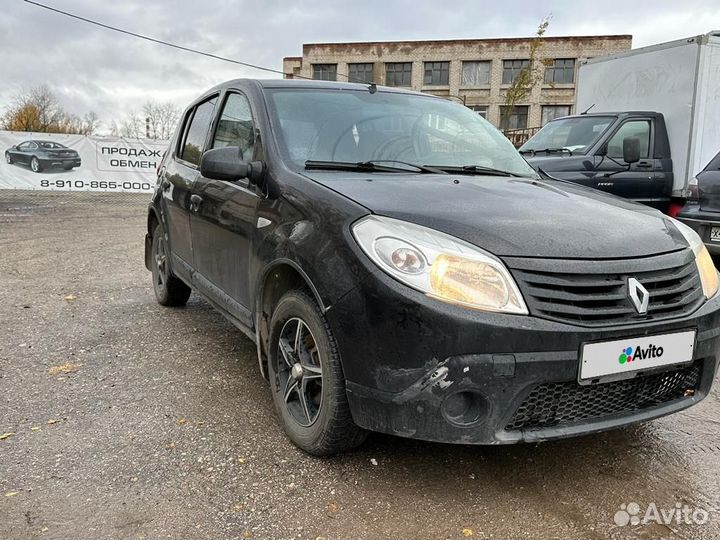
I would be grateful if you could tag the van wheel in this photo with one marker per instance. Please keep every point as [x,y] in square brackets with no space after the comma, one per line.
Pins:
[307,380]
[169,290]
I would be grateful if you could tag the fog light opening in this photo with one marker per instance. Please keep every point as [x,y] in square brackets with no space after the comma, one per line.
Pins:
[464,408]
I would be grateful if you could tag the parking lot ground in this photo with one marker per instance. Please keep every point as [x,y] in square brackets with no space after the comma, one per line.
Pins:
[121,418]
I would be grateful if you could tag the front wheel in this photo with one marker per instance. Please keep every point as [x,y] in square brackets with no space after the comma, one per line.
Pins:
[169,290]
[8,158]
[307,380]
[35,165]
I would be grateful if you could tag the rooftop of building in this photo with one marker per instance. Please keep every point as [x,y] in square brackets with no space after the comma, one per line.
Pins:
[445,42]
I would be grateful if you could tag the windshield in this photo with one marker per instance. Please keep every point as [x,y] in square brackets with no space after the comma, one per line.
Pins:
[356,126]
[576,134]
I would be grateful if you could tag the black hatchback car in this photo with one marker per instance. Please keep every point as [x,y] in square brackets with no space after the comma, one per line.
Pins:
[41,155]
[402,269]
[702,212]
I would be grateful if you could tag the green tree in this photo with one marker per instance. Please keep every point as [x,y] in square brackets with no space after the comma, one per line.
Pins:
[528,77]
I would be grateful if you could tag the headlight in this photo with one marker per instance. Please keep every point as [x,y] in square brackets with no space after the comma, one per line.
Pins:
[439,265]
[705,265]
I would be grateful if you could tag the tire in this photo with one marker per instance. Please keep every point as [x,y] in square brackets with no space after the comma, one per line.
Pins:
[322,426]
[169,290]
[68,167]
[35,165]
[8,158]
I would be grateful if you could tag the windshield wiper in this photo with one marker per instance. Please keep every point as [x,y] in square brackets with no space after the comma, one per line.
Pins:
[478,169]
[547,151]
[374,165]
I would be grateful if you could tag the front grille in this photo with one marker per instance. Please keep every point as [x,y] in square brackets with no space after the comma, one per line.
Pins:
[595,293]
[555,404]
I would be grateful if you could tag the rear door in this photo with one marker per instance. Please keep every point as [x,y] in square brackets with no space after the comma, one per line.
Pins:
[709,186]
[223,220]
[641,181]
[176,180]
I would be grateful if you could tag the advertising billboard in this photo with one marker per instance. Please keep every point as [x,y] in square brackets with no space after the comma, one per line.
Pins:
[52,161]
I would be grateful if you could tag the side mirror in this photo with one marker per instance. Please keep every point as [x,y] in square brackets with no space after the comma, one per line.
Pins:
[227,164]
[631,150]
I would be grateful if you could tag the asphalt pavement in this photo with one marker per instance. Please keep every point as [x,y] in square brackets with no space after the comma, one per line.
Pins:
[120,418]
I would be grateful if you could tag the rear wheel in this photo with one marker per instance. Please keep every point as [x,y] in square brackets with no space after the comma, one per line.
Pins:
[35,165]
[307,380]
[169,290]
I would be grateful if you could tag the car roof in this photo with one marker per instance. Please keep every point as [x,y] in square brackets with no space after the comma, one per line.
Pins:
[306,83]
[611,113]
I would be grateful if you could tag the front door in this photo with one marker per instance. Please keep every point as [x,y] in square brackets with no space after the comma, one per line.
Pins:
[223,220]
[640,181]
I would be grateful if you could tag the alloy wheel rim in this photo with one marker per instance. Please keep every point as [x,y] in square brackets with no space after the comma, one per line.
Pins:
[299,372]
[34,164]
[160,264]
[7,158]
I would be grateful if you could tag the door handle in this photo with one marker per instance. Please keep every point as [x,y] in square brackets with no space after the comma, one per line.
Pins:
[195,202]
[644,165]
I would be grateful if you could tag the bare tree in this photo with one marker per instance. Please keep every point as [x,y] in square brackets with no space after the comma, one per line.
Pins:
[156,121]
[90,123]
[161,119]
[132,126]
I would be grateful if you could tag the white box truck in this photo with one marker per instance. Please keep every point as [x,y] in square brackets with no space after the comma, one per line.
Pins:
[667,96]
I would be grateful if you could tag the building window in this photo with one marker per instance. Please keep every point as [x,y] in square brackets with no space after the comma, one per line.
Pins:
[560,71]
[325,72]
[437,73]
[482,110]
[514,117]
[360,73]
[398,74]
[475,73]
[512,68]
[550,112]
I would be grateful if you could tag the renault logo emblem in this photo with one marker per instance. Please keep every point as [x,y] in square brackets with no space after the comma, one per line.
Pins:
[639,295]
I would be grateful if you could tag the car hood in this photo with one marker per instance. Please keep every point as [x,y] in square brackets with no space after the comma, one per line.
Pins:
[514,217]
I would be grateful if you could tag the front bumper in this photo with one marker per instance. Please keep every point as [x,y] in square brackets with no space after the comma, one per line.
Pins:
[421,368]
[702,223]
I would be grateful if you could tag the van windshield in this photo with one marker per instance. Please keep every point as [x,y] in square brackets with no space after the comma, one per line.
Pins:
[355,126]
[575,134]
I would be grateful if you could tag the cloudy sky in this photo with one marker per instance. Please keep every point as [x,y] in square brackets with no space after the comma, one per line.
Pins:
[91,68]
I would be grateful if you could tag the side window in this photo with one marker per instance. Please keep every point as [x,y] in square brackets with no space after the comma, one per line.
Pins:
[192,146]
[24,146]
[633,128]
[236,126]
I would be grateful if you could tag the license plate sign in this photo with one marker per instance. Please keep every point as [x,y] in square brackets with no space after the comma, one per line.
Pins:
[635,354]
[715,234]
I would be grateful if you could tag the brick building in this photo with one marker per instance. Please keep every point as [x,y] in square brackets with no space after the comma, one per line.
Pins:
[476,72]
